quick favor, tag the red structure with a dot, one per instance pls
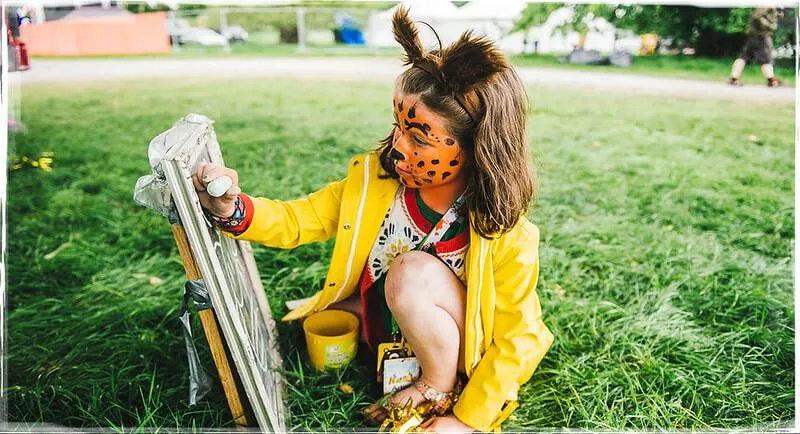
(20, 50)
(101, 35)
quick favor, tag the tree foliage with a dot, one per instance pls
(711, 31)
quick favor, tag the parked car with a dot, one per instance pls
(235, 33)
(176, 27)
(201, 36)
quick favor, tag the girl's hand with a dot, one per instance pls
(446, 424)
(224, 205)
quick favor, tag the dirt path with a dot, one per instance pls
(372, 69)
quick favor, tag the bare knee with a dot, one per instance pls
(409, 280)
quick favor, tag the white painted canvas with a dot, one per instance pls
(228, 269)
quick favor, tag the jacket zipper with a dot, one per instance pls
(478, 331)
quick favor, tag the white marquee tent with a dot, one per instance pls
(488, 18)
(440, 14)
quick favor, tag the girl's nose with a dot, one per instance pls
(396, 155)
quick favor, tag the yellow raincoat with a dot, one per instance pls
(505, 338)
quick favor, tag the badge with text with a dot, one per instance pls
(389, 352)
(399, 373)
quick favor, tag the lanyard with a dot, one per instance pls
(452, 215)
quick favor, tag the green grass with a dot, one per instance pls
(666, 255)
(686, 67)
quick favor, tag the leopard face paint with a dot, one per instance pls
(426, 153)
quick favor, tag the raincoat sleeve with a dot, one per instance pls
(288, 224)
(520, 338)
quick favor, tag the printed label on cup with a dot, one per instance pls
(335, 356)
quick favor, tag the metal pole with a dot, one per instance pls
(371, 35)
(223, 24)
(301, 30)
(176, 46)
(223, 19)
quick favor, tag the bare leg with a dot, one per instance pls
(429, 303)
(768, 70)
(352, 305)
(738, 67)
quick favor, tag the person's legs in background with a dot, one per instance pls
(769, 73)
(736, 71)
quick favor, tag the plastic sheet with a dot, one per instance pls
(199, 380)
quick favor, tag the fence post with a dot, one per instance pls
(173, 31)
(223, 19)
(301, 30)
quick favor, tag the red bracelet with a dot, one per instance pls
(241, 218)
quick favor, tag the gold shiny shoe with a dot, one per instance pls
(401, 419)
(406, 418)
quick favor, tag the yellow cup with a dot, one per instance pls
(331, 338)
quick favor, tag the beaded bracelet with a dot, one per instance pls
(239, 221)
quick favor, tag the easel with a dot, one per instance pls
(209, 320)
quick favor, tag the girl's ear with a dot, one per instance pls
(405, 33)
(471, 61)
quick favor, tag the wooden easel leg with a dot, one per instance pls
(209, 321)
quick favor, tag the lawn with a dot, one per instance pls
(686, 67)
(666, 255)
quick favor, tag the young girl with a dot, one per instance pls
(431, 235)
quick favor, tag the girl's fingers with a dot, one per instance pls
(199, 186)
(200, 169)
(232, 192)
(211, 173)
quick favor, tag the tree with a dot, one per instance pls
(583, 15)
(714, 32)
(711, 31)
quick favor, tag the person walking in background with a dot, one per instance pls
(758, 46)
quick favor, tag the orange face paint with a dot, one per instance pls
(425, 153)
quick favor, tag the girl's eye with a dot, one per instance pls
(420, 141)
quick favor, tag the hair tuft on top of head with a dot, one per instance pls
(470, 61)
(406, 34)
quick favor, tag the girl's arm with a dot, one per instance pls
(520, 338)
(288, 224)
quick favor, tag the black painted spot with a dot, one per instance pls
(422, 127)
(427, 181)
(412, 111)
(417, 182)
(449, 141)
(431, 173)
(396, 155)
(416, 153)
(400, 106)
(453, 163)
(445, 175)
(420, 164)
(434, 162)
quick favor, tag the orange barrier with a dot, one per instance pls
(124, 34)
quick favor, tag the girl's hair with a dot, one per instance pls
(472, 86)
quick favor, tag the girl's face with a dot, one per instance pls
(425, 153)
